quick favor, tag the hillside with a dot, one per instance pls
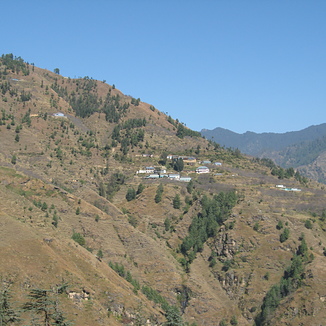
(111, 247)
(302, 149)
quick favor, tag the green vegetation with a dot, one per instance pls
(40, 302)
(290, 282)
(308, 224)
(8, 315)
(159, 193)
(183, 132)
(99, 254)
(44, 303)
(223, 322)
(172, 313)
(85, 100)
(77, 237)
(190, 186)
(173, 316)
(55, 219)
(178, 164)
(113, 185)
(234, 321)
(14, 159)
(284, 235)
(15, 64)
(279, 225)
(176, 202)
(125, 134)
(167, 224)
(140, 189)
(119, 268)
(283, 173)
(131, 194)
(214, 212)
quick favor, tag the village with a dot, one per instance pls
(285, 188)
(157, 172)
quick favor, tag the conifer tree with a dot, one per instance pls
(176, 201)
(44, 303)
(41, 304)
(7, 314)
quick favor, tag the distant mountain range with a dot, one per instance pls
(304, 149)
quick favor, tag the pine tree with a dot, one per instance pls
(159, 192)
(41, 304)
(131, 194)
(140, 189)
(173, 317)
(7, 314)
(14, 159)
(176, 201)
(44, 303)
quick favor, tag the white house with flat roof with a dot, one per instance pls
(202, 169)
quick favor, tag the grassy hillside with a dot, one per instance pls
(206, 252)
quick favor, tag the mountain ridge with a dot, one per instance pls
(286, 149)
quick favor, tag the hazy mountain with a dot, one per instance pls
(85, 238)
(299, 149)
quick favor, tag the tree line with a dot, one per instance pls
(214, 212)
(291, 280)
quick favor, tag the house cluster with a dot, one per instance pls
(157, 172)
(160, 172)
(282, 187)
(145, 155)
(204, 168)
(189, 160)
(171, 176)
(153, 170)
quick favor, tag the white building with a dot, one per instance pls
(202, 169)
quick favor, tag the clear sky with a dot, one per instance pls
(243, 65)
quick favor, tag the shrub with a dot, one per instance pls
(77, 237)
(14, 159)
(131, 194)
(279, 225)
(167, 224)
(99, 253)
(285, 235)
(140, 189)
(176, 202)
(159, 192)
(234, 321)
(308, 224)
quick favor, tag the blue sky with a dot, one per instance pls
(242, 65)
